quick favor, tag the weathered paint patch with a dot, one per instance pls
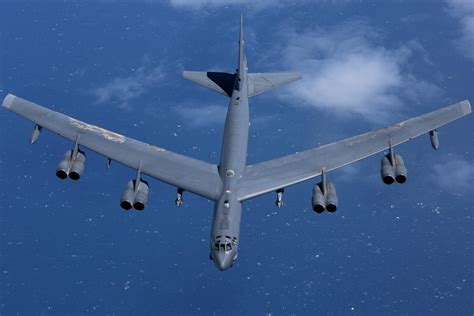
(155, 148)
(98, 130)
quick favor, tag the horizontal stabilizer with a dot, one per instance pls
(221, 82)
(259, 83)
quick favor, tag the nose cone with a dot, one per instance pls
(223, 261)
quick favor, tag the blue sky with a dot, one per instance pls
(67, 247)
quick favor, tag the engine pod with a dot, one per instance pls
(141, 196)
(77, 166)
(318, 202)
(331, 199)
(126, 201)
(62, 171)
(387, 171)
(400, 169)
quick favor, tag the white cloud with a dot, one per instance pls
(197, 116)
(464, 11)
(122, 90)
(346, 70)
(455, 176)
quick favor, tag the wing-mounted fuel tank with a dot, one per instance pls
(36, 133)
(393, 168)
(324, 196)
(434, 139)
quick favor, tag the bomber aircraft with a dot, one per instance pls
(232, 181)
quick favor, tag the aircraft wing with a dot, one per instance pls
(181, 171)
(281, 172)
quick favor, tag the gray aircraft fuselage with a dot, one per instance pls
(228, 210)
(232, 181)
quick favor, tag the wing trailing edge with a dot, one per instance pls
(184, 172)
(278, 173)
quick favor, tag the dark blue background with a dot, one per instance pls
(67, 247)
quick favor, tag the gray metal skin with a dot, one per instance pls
(232, 182)
(228, 209)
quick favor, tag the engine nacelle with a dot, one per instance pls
(393, 172)
(62, 171)
(400, 169)
(321, 201)
(136, 197)
(71, 168)
(128, 195)
(318, 201)
(141, 197)
(77, 166)
(387, 171)
(331, 199)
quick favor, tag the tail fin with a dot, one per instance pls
(241, 63)
(259, 83)
(221, 82)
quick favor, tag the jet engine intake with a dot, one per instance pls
(395, 171)
(141, 196)
(387, 171)
(318, 201)
(62, 171)
(71, 168)
(128, 195)
(331, 199)
(400, 169)
(135, 196)
(324, 199)
(77, 166)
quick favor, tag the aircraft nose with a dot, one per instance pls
(223, 261)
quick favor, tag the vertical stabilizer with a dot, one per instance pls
(242, 62)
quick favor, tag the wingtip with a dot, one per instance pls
(466, 107)
(7, 102)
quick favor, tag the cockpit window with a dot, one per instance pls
(224, 243)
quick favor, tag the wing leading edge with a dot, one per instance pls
(181, 171)
(274, 174)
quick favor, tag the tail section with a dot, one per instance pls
(225, 83)
(221, 82)
(242, 63)
(259, 83)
